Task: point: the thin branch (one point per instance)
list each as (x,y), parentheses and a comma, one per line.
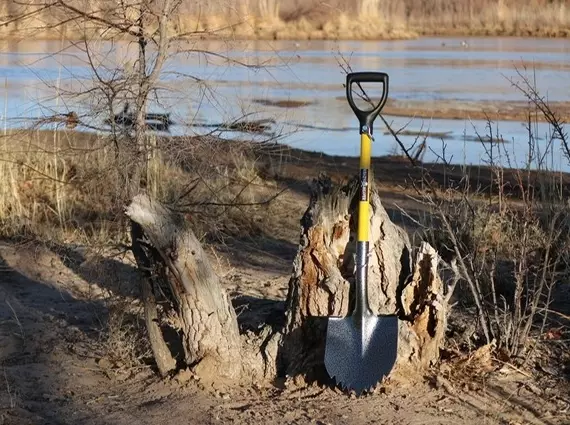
(124,28)
(24,16)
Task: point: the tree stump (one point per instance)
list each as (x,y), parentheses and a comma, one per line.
(203,314)
(401,282)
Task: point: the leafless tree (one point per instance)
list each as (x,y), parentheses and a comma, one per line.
(151,33)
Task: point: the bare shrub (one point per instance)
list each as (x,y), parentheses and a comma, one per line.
(9,397)
(506,240)
(225,197)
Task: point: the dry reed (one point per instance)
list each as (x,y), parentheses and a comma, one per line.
(67,185)
(336,19)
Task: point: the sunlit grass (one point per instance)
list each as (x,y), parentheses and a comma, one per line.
(336,19)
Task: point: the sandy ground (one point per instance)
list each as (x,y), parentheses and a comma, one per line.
(452,109)
(56,366)
(476,110)
(55,372)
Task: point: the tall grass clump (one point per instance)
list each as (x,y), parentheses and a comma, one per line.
(56,182)
(67,185)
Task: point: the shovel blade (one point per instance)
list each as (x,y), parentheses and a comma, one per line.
(360,351)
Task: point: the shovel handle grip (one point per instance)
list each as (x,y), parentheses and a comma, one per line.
(366,118)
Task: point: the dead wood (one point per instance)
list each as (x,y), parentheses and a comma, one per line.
(204,315)
(193,302)
(401,282)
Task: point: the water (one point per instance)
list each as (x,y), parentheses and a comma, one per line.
(200,88)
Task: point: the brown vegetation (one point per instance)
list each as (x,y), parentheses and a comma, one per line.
(65,184)
(314,19)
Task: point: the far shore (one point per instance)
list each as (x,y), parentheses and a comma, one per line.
(476,110)
(303,30)
(318,35)
(295,20)
(451,109)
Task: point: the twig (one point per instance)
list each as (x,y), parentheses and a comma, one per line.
(516,369)
(235,204)
(17,319)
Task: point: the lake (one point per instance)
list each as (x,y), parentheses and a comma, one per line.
(201,89)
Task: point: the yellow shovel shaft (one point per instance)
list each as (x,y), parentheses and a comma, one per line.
(364,202)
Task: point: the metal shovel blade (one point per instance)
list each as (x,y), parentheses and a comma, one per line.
(361,349)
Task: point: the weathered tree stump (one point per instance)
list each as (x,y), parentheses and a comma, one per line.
(400,282)
(181,281)
(204,315)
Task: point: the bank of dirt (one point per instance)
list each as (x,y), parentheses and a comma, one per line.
(477,110)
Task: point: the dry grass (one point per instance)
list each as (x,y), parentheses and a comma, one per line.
(336,19)
(66,185)
(123,337)
(67,188)
(43,186)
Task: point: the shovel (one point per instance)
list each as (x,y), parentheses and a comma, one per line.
(361,349)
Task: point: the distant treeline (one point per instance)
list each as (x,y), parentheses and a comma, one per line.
(301,19)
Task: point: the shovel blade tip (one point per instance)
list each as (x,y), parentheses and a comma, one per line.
(361,351)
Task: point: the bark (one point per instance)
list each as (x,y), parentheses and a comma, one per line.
(165,362)
(400,282)
(203,313)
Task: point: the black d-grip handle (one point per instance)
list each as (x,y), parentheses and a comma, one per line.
(367,118)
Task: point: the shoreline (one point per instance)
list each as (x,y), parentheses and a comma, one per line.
(477,110)
(286,34)
(307,163)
